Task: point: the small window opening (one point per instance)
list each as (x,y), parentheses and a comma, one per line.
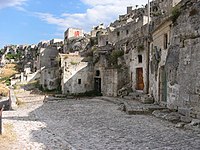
(79,81)
(139,58)
(118,33)
(165,41)
(97,73)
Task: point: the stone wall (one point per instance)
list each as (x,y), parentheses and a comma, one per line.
(49,78)
(158,56)
(103,40)
(135,64)
(126,31)
(47,57)
(73,32)
(110,82)
(77,75)
(183,65)
(48,67)
(113,77)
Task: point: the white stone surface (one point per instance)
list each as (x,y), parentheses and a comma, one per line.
(93,124)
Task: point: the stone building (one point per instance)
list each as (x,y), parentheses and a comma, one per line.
(182,65)
(160,8)
(130,35)
(48,66)
(138,62)
(71,34)
(174,57)
(77,75)
(158,54)
(97,30)
(109,72)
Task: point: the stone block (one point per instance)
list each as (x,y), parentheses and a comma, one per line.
(147,99)
(122,107)
(195,122)
(184,111)
(180,125)
(135,109)
(193,114)
(186,119)
(153,107)
(160,113)
(192,127)
(198,115)
(173,117)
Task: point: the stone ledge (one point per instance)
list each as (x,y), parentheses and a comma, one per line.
(135,109)
(167,115)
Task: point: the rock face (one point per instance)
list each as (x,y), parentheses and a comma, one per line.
(77,44)
(183,67)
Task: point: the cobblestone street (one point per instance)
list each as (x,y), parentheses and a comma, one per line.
(93,124)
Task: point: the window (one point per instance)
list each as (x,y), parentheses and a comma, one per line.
(76,33)
(127,32)
(106,42)
(139,58)
(165,41)
(118,33)
(79,81)
(97,73)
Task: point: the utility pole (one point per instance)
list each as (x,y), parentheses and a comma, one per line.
(148,12)
(1,119)
(148,48)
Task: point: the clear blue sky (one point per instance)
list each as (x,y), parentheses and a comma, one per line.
(30,21)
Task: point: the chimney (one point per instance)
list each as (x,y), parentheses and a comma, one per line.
(129,9)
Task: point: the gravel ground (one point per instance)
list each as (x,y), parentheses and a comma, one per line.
(93,124)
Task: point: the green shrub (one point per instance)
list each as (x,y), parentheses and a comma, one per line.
(74,63)
(113,58)
(14,56)
(140,47)
(10,56)
(176,11)
(8,82)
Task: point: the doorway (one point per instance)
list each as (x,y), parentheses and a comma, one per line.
(139,79)
(162,85)
(97,84)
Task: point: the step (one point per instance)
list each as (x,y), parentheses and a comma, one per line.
(146,99)
(135,109)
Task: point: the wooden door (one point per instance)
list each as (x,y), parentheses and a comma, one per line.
(140,82)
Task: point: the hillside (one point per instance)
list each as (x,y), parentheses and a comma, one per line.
(5,74)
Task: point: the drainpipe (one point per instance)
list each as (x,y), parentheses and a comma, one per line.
(147,66)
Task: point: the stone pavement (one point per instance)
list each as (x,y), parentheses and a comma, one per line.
(133,107)
(28,96)
(93,124)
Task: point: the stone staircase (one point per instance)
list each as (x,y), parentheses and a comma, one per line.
(140,96)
